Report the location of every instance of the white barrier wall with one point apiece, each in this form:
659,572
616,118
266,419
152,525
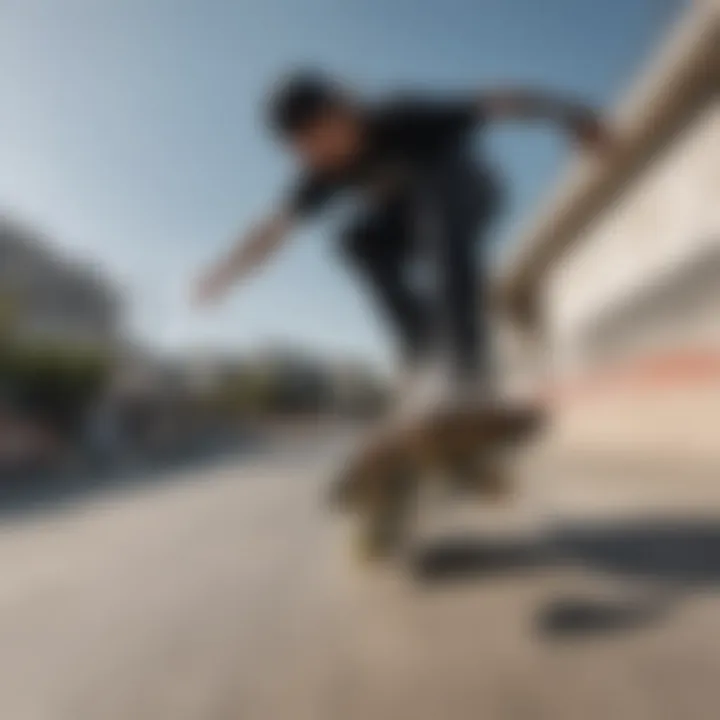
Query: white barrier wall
661,225
633,313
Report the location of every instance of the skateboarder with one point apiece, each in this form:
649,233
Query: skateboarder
423,201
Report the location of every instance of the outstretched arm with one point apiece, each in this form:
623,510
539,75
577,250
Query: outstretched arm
310,192
251,250
518,104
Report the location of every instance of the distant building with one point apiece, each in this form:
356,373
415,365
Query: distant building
48,298
287,380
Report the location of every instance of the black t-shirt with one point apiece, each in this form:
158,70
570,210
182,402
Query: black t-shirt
401,138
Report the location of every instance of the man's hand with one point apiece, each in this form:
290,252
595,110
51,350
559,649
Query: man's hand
251,250
210,287
589,131
583,123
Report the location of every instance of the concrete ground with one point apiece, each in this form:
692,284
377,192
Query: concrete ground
226,592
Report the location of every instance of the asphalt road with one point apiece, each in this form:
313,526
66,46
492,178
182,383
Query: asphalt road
226,593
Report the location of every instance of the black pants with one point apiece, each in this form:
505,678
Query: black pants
419,255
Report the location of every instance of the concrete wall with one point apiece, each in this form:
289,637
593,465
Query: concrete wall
614,285
630,282
633,313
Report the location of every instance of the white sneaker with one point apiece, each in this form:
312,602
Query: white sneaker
422,390
433,387
471,393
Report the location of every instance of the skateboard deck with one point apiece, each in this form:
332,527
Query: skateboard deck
458,447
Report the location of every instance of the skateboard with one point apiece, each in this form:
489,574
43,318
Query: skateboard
454,449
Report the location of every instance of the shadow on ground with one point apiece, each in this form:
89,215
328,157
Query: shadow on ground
671,550
465,558
669,557
28,494
568,618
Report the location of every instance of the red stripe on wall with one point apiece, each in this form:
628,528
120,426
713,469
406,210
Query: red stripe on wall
686,368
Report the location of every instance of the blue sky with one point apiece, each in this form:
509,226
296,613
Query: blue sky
129,131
